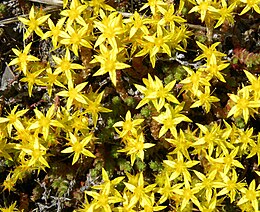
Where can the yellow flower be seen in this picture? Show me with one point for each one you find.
(245, 139)
(110, 27)
(154, 5)
(255, 150)
(149, 91)
(75, 38)
(35, 150)
(86, 206)
(50, 80)
(211, 206)
(250, 195)
(31, 79)
(78, 147)
(135, 147)
(108, 63)
(125, 206)
(209, 51)
(188, 194)
(180, 167)
(213, 68)
(78, 122)
(9, 183)
(243, 105)
(167, 191)
(195, 81)
(128, 126)
(99, 4)
(11, 208)
(203, 7)
(137, 22)
(74, 13)
(65, 65)
(208, 138)
(13, 120)
(169, 17)
(228, 160)
(5, 149)
(207, 183)
(44, 122)
(103, 201)
(159, 41)
(73, 93)
(156, 92)
(33, 23)
(94, 106)
(250, 4)
(226, 13)
(55, 31)
(141, 193)
(113, 183)
(229, 185)
(152, 206)
(23, 58)
(255, 84)
(170, 119)
(181, 144)
(204, 99)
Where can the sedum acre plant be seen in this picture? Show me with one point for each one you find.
(150, 105)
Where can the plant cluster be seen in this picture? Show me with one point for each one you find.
(182, 139)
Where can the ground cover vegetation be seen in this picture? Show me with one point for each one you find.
(131, 106)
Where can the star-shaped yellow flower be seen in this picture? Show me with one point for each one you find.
(23, 58)
(33, 23)
(78, 147)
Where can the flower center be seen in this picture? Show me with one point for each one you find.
(250, 195)
(168, 123)
(55, 31)
(250, 3)
(22, 57)
(73, 93)
(243, 104)
(110, 66)
(65, 65)
(12, 118)
(127, 125)
(161, 93)
(75, 38)
(77, 147)
(138, 23)
(159, 41)
(204, 6)
(33, 24)
(36, 153)
(139, 146)
(109, 32)
(231, 185)
(73, 14)
(44, 122)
